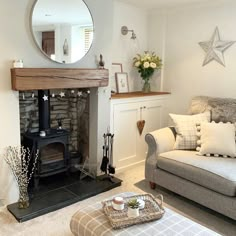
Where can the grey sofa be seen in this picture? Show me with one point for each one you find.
(209, 181)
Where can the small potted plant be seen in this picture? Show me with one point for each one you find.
(133, 207)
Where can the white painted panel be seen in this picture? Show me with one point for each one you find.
(153, 115)
(151, 112)
(125, 116)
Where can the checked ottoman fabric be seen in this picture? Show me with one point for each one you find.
(91, 221)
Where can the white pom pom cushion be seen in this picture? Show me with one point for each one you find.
(216, 139)
(185, 126)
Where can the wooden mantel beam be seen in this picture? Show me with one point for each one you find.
(57, 78)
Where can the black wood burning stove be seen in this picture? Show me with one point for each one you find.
(52, 145)
(53, 153)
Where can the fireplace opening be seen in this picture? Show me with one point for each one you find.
(63, 116)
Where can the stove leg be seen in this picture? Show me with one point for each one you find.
(152, 185)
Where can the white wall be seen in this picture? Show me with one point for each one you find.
(157, 43)
(184, 74)
(17, 43)
(124, 48)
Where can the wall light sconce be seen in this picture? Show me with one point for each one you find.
(125, 30)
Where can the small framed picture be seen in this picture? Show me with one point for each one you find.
(116, 67)
(122, 82)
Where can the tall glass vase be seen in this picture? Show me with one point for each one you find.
(23, 201)
(146, 87)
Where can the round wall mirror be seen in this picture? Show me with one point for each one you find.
(62, 29)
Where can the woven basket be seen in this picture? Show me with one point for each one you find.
(153, 210)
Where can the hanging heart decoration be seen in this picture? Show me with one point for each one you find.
(140, 125)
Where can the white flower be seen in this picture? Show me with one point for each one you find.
(137, 64)
(153, 65)
(146, 64)
(147, 57)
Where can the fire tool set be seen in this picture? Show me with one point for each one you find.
(107, 160)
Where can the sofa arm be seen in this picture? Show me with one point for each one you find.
(161, 140)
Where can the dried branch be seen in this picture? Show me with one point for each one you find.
(19, 160)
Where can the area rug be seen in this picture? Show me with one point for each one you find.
(57, 223)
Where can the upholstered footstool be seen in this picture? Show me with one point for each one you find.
(91, 221)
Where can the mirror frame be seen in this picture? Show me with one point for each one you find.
(46, 55)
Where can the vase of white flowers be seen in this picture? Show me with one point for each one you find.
(146, 65)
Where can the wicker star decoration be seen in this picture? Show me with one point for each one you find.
(214, 48)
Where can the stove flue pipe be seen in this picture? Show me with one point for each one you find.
(44, 110)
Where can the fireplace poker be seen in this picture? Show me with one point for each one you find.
(105, 159)
(111, 168)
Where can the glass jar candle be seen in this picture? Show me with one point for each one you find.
(118, 203)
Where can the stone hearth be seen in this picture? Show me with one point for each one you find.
(60, 191)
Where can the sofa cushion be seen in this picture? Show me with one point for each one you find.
(216, 139)
(215, 173)
(185, 126)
